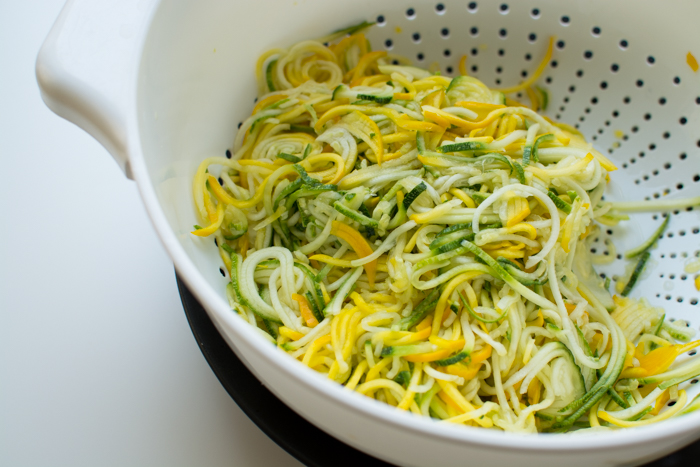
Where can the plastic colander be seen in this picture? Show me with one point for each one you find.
(164, 84)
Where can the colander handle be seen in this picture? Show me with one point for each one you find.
(86, 68)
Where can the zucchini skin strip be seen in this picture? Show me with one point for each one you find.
(649, 243)
(638, 270)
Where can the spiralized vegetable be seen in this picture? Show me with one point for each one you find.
(422, 240)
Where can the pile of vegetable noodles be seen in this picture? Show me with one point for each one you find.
(422, 240)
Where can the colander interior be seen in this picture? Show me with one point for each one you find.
(616, 74)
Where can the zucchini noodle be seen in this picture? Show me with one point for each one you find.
(422, 241)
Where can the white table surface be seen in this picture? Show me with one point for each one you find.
(98, 366)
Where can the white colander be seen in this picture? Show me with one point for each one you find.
(164, 84)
